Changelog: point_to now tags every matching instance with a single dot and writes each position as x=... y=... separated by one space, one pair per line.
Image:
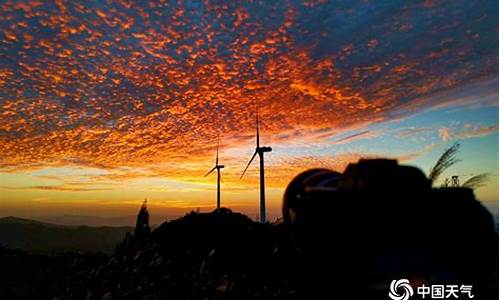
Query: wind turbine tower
x=260 y=150
x=217 y=167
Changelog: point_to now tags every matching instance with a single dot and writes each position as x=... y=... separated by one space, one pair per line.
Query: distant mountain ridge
x=40 y=237
x=16 y=220
x=79 y=220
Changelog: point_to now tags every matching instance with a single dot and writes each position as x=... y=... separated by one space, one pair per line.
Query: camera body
x=379 y=221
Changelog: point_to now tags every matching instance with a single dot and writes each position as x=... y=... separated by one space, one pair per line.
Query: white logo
x=402 y=290
x=401 y=284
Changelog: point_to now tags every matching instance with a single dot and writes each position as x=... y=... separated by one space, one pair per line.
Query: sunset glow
x=106 y=103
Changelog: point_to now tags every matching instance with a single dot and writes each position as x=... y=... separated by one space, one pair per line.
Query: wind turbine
x=260 y=150
x=217 y=167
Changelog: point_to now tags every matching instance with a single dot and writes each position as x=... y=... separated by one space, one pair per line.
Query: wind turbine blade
x=210 y=171
x=251 y=159
x=217 y=155
x=257 y=124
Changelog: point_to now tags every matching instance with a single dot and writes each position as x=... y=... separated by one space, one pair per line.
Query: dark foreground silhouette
x=344 y=236
x=378 y=222
x=219 y=255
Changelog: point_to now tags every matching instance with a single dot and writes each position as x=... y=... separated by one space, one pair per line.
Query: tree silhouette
x=142 y=228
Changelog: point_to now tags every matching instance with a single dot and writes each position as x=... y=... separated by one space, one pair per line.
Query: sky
x=106 y=103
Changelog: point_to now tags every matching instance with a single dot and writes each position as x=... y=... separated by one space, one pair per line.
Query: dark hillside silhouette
x=35 y=276
x=45 y=238
x=216 y=255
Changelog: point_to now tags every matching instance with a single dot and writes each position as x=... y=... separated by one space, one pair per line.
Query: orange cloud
x=466 y=131
x=56 y=188
x=149 y=88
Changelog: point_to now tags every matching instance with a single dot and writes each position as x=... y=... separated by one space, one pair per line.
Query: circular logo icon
x=400 y=290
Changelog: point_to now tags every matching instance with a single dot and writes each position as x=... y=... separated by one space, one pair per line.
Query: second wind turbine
x=260 y=150
x=217 y=167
